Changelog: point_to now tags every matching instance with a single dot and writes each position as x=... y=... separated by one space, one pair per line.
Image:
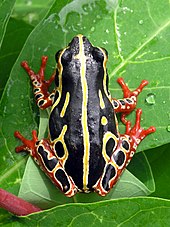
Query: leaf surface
x=159 y=162
x=6 y=7
x=14 y=39
x=122 y=212
x=136 y=35
x=31 y=11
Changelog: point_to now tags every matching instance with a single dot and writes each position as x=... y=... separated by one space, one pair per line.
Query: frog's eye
x=66 y=57
x=99 y=54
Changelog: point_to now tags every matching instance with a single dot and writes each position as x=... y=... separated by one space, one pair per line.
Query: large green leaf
x=122 y=212
x=14 y=39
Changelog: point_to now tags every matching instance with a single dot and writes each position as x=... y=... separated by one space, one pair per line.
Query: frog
x=84 y=151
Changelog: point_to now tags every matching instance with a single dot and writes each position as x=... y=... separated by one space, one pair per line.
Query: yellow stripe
x=61 y=139
x=59 y=88
x=105 y=73
x=65 y=104
x=102 y=105
x=81 y=56
x=106 y=137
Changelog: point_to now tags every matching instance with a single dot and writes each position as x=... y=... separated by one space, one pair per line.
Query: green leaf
x=159 y=161
x=14 y=39
x=141 y=30
x=122 y=212
x=135 y=33
x=31 y=11
x=6 y=7
x=12 y=165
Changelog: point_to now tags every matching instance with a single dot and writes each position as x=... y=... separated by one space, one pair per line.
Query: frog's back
x=82 y=122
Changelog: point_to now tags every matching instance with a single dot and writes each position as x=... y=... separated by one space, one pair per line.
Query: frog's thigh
x=115 y=166
x=54 y=170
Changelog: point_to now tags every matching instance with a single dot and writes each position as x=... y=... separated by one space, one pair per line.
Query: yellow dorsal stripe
x=81 y=56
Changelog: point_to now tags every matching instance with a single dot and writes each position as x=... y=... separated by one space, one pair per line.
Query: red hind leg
x=122 y=155
x=44 y=156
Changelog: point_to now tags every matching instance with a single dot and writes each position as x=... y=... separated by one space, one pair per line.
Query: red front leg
x=122 y=155
x=43 y=97
x=128 y=103
x=44 y=156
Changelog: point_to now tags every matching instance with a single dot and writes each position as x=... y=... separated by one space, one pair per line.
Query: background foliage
x=136 y=35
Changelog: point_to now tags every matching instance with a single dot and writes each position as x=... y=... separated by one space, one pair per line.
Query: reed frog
x=84 y=151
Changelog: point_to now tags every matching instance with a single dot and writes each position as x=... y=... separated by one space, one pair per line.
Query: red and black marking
x=126 y=105
x=49 y=163
x=122 y=155
x=110 y=173
x=43 y=98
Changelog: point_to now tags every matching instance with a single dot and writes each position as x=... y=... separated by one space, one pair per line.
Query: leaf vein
x=117 y=36
x=125 y=61
x=149 y=60
x=140 y=211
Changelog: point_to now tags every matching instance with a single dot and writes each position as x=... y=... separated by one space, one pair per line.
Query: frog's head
x=79 y=57
x=81 y=47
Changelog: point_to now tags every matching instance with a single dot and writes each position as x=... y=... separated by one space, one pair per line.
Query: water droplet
x=29 y=3
x=150 y=99
x=168 y=128
x=164 y=102
x=92 y=29
x=126 y=9
x=107 y=31
x=23 y=112
x=105 y=42
x=140 y=21
x=85 y=8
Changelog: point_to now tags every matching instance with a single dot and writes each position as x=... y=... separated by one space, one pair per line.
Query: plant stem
x=16 y=205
